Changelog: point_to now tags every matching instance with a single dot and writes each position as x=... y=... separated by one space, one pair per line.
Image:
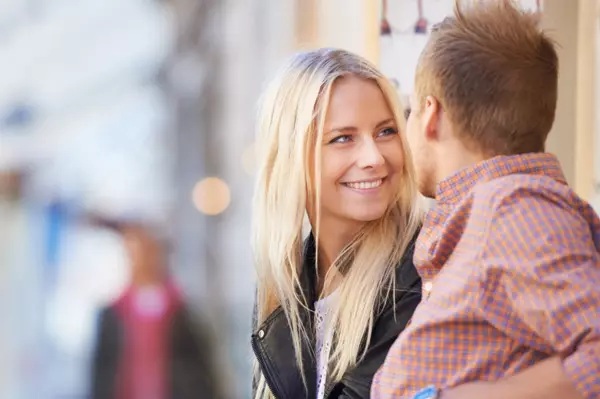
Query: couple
x=505 y=285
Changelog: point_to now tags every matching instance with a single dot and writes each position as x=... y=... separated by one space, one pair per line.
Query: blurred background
x=126 y=160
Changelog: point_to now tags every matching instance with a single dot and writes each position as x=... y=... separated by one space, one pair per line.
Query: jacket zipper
x=328 y=389
x=264 y=370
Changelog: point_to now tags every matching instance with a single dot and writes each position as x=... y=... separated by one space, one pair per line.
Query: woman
x=329 y=307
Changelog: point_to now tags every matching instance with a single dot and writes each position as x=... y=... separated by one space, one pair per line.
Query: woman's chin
x=367 y=216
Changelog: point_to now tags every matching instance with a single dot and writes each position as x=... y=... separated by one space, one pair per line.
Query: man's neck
x=455 y=158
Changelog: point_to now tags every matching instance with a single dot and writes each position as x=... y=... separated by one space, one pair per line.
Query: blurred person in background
x=329 y=307
x=149 y=345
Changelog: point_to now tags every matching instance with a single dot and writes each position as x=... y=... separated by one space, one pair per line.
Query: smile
x=364 y=185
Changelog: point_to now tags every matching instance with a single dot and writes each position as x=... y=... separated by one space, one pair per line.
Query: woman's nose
x=369 y=155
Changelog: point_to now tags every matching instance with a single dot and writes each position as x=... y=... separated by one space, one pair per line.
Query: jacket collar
x=276 y=353
x=308 y=273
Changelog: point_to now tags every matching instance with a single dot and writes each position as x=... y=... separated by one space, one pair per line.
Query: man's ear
x=432 y=111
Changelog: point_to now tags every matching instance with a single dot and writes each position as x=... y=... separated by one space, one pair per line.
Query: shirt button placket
x=427 y=287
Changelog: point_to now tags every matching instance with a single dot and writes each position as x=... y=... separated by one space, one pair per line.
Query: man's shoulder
x=534 y=209
x=518 y=189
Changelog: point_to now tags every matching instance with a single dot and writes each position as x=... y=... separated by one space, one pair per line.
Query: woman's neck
x=333 y=237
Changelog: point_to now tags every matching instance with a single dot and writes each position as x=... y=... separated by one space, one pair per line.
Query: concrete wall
x=574 y=26
x=349 y=24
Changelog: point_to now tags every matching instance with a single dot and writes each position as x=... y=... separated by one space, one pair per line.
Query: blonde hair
x=290 y=130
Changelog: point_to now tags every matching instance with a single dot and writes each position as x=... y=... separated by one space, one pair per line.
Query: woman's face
x=362 y=155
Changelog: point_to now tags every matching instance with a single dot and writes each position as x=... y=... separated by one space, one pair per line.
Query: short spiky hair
x=495 y=73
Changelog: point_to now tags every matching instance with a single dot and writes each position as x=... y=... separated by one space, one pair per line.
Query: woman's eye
x=388 y=131
x=341 y=139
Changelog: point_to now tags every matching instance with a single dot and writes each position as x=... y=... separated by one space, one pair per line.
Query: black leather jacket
x=272 y=341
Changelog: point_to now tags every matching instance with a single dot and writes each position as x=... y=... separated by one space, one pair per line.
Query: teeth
x=364 y=185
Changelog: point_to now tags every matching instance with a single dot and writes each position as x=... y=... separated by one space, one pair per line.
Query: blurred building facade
x=81 y=118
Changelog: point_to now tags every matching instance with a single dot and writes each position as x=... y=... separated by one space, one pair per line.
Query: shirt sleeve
x=542 y=283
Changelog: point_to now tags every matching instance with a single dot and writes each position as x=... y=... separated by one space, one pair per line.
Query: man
x=148 y=345
x=509 y=255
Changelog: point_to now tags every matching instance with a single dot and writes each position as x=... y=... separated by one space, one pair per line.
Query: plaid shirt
x=510 y=263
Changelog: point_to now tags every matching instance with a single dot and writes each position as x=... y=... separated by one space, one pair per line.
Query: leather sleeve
x=356 y=384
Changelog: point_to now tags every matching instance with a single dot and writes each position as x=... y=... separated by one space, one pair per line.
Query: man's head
x=486 y=85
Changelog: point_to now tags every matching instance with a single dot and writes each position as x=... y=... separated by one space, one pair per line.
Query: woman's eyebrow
x=349 y=129
x=384 y=122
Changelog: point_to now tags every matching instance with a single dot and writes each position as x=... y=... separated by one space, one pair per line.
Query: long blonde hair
x=290 y=128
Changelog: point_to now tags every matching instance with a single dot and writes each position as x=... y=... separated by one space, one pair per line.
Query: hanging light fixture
x=211 y=196
x=421 y=24
x=384 y=29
